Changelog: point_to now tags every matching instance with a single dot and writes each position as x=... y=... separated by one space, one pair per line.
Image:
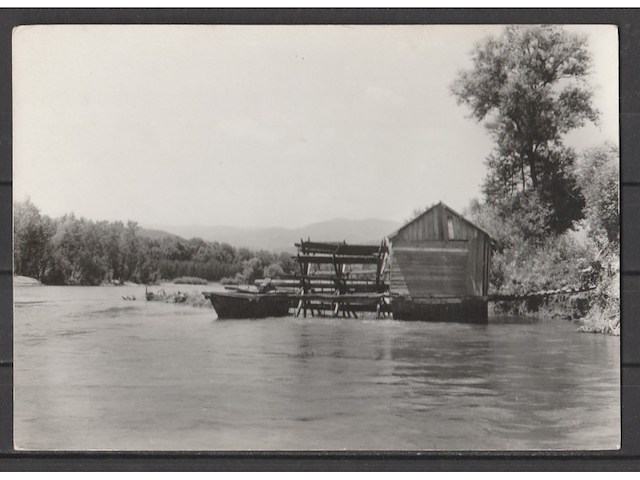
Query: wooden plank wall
x=487 y=256
x=427 y=227
x=396 y=277
x=433 y=225
x=426 y=262
x=461 y=228
x=430 y=270
x=476 y=265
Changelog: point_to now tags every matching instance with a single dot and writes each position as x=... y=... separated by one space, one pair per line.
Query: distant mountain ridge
x=155 y=234
x=371 y=230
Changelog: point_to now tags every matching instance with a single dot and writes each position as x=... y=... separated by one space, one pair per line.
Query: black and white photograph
x=316 y=238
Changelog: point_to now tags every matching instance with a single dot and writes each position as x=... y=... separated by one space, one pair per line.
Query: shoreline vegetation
x=553 y=211
x=75 y=251
x=190 y=281
x=192 y=298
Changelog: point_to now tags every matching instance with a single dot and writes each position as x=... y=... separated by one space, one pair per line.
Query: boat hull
x=236 y=305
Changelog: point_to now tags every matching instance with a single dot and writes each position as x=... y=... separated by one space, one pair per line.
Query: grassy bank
x=190 y=281
x=560 y=263
x=604 y=315
x=602 y=320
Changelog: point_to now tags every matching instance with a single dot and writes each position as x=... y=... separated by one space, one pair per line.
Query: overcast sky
x=256 y=125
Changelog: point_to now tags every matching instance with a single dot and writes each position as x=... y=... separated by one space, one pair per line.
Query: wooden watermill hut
x=439 y=268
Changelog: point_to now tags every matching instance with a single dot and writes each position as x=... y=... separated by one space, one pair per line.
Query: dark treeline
x=552 y=211
x=76 y=251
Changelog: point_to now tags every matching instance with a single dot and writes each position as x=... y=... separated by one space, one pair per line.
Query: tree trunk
x=531 y=157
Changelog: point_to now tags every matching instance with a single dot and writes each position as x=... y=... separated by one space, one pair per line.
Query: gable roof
x=395 y=234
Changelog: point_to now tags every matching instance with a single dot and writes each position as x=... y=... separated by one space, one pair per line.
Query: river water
x=93 y=371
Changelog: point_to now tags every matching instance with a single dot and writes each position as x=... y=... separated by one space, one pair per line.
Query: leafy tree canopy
x=76 y=251
x=599 y=180
x=529 y=87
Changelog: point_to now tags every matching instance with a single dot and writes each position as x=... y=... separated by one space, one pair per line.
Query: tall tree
x=31 y=241
x=529 y=87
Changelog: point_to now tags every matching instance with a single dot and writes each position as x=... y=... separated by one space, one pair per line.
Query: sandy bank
x=21 y=281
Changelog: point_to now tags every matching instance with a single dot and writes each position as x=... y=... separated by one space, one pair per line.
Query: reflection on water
x=95 y=372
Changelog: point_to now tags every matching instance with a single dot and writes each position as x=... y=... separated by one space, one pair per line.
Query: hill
x=282 y=239
x=154 y=234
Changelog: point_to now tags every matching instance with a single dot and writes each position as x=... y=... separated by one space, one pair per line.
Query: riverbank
x=22 y=281
x=601 y=319
x=604 y=316
x=190 y=281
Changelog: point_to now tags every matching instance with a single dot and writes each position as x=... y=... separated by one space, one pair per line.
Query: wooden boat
x=248 y=304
